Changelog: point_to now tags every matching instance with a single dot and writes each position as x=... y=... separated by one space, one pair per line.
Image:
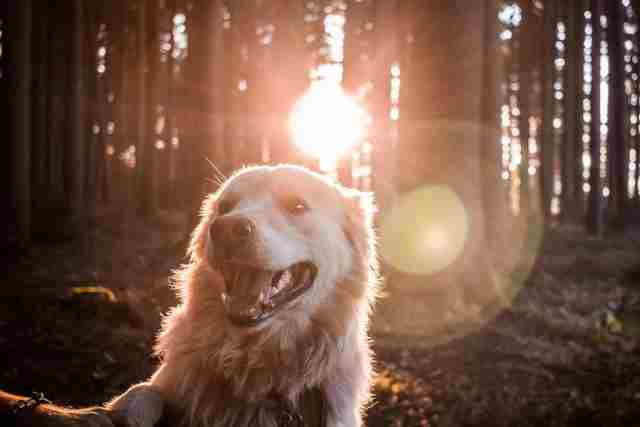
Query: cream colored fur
x=215 y=374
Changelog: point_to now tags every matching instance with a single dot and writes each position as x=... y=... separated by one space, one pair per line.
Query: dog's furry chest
x=311 y=410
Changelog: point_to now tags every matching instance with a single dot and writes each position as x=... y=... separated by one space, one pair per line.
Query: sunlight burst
x=326 y=123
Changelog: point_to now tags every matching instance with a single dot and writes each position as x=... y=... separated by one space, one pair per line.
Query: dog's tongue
x=243 y=294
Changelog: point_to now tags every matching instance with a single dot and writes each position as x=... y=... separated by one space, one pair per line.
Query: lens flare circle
x=326 y=123
x=425 y=232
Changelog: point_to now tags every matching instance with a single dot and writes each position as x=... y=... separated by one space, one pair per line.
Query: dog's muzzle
x=253 y=294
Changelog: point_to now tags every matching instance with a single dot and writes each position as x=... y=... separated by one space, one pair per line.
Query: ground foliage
x=566 y=352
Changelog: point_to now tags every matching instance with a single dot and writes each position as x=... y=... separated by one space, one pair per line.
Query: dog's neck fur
x=230 y=379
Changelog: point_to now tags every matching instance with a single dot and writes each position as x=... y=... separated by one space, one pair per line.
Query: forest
x=500 y=139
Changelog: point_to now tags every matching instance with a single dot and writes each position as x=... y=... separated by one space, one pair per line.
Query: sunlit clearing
x=425 y=232
x=326 y=123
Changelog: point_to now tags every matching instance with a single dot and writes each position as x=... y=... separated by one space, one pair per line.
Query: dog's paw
x=56 y=416
x=90 y=417
x=140 y=406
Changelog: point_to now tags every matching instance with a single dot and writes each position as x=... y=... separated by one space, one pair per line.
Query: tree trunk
x=19 y=74
x=150 y=187
x=58 y=92
x=289 y=72
x=75 y=156
x=571 y=151
x=494 y=198
x=238 y=84
x=356 y=66
x=386 y=54
x=143 y=147
x=525 y=65
x=619 y=117
x=40 y=112
x=594 y=208
x=546 y=141
x=442 y=142
x=93 y=149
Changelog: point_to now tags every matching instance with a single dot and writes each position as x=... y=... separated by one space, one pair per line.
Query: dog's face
x=281 y=239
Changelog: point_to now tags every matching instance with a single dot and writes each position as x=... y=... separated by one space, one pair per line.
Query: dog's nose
x=231 y=229
x=242 y=229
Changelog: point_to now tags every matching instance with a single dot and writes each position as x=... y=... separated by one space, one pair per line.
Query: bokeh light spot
x=426 y=231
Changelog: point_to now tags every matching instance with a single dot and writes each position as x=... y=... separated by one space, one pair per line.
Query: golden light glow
x=326 y=123
x=426 y=231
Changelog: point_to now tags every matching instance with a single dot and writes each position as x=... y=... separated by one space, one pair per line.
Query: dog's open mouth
x=253 y=295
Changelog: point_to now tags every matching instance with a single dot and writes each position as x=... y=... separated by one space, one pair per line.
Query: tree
x=618 y=151
x=386 y=54
x=442 y=137
x=546 y=140
x=150 y=185
x=75 y=156
x=40 y=111
x=358 y=65
x=525 y=68
x=19 y=75
x=571 y=176
x=289 y=72
x=594 y=207
x=494 y=198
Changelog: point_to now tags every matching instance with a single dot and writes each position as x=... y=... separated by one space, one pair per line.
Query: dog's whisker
x=220 y=177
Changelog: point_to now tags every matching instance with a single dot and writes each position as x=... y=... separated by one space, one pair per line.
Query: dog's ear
x=362 y=205
x=359 y=225
x=198 y=236
x=359 y=231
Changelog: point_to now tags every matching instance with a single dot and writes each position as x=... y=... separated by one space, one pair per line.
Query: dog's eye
x=225 y=206
x=295 y=205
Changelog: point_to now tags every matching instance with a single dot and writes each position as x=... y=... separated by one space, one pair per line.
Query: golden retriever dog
x=271 y=328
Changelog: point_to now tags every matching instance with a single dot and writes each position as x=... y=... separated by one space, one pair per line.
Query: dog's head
x=282 y=240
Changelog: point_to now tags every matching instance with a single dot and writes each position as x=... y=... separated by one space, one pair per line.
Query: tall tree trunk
x=525 y=65
x=386 y=54
x=546 y=141
x=409 y=145
x=356 y=67
x=123 y=102
x=150 y=187
x=442 y=144
x=256 y=78
x=571 y=151
x=238 y=83
x=215 y=70
x=143 y=109
x=57 y=111
x=494 y=198
x=618 y=150
x=594 y=208
x=75 y=156
x=201 y=103
x=19 y=74
x=167 y=166
x=290 y=67
x=94 y=148
x=40 y=112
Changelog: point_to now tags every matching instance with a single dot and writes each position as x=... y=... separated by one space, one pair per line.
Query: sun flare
x=326 y=123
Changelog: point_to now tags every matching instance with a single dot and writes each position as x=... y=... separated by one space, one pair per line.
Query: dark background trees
x=110 y=102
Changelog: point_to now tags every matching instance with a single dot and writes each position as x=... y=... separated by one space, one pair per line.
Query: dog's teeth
x=265 y=295
x=285 y=279
x=223 y=296
x=304 y=275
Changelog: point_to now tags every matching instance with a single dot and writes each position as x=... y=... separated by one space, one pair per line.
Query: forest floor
x=78 y=320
